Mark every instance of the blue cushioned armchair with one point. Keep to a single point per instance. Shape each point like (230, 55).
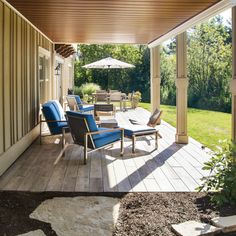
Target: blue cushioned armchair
(85, 132)
(55, 119)
(76, 104)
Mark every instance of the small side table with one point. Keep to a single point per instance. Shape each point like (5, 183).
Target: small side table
(108, 123)
(104, 109)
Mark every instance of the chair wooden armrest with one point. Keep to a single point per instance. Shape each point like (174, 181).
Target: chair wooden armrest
(53, 121)
(104, 131)
(100, 132)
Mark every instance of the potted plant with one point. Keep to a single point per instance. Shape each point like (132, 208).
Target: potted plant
(136, 98)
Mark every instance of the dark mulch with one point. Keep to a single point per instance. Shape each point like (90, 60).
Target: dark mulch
(140, 214)
(15, 208)
(153, 213)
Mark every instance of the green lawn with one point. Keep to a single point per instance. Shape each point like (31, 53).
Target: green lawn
(205, 126)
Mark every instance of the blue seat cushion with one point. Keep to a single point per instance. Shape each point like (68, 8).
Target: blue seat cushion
(106, 138)
(99, 139)
(129, 131)
(87, 108)
(58, 129)
(52, 111)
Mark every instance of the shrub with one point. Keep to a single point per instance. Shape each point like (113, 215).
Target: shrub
(222, 177)
(77, 91)
(89, 88)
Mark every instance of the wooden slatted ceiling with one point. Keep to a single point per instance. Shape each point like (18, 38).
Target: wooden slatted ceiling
(108, 21)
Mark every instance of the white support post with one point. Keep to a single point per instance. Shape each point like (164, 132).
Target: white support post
(233, 82)
(155, 77)
(182, 89)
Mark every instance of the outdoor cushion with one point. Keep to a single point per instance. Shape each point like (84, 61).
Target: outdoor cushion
(106, 138)
(99, 139)
(52, 110)
(87, 108)
(59, 109)
(136, 129)
(58, 129)
(78, 99)
(155, 118)
(89, 118)
(80, 104)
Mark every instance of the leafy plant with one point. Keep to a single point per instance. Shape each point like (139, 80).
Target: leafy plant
(222, 177)
(77, 91)
(136, 98)
(89, 88)
(137, 95)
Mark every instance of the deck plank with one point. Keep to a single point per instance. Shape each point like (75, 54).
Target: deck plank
(173, 167)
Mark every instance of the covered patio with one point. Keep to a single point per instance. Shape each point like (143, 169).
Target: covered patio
(173, 167)
(33, 28)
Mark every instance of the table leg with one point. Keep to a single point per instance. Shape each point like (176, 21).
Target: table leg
(133, 143)
(156, 140)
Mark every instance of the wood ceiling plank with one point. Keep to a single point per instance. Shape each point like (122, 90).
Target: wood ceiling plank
(105, 21)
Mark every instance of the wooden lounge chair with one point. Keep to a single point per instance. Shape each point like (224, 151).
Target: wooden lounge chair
(154, 120)
(54, 117)
(100, 96)
(115, 97)
(134, 131)
(138, 129)
(76, 104)
(85, 132)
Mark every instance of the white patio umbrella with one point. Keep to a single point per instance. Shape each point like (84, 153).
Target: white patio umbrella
(108, 63)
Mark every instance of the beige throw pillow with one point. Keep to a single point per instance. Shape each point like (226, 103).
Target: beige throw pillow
(155, 118)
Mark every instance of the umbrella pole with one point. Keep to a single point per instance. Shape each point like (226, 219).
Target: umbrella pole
(107, 80)
(108, 71)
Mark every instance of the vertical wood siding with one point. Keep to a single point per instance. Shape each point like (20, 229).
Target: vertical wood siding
(1, 80)
(19, 87)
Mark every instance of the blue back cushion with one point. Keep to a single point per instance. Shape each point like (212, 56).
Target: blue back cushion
(52, 111)
(78, 100)
(89, 118)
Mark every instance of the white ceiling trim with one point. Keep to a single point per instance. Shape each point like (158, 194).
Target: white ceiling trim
(203, 16)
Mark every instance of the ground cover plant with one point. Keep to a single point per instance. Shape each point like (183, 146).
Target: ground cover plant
(222, 178)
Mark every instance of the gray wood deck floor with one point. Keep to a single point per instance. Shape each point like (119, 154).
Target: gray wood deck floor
(172, 167)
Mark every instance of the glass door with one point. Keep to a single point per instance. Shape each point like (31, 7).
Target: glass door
(44, 78)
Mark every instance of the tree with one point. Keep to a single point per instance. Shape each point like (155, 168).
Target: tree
(168, 75)
(126, 80)
(209, 65)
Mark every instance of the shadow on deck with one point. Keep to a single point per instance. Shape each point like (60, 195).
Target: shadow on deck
(172, 167)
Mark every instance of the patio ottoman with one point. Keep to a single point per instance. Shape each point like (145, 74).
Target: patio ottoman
(134, 131)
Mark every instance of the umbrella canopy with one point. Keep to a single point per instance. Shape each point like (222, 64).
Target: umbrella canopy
(108, 63)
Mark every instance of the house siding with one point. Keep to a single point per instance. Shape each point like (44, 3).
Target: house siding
(19, 86)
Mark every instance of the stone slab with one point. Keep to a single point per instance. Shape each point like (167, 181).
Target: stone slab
(79, 216)
(227, 223)
(194, 228)
(38, 232)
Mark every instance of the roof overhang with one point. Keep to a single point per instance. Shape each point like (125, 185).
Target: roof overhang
(203, 16)
(116, 21)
